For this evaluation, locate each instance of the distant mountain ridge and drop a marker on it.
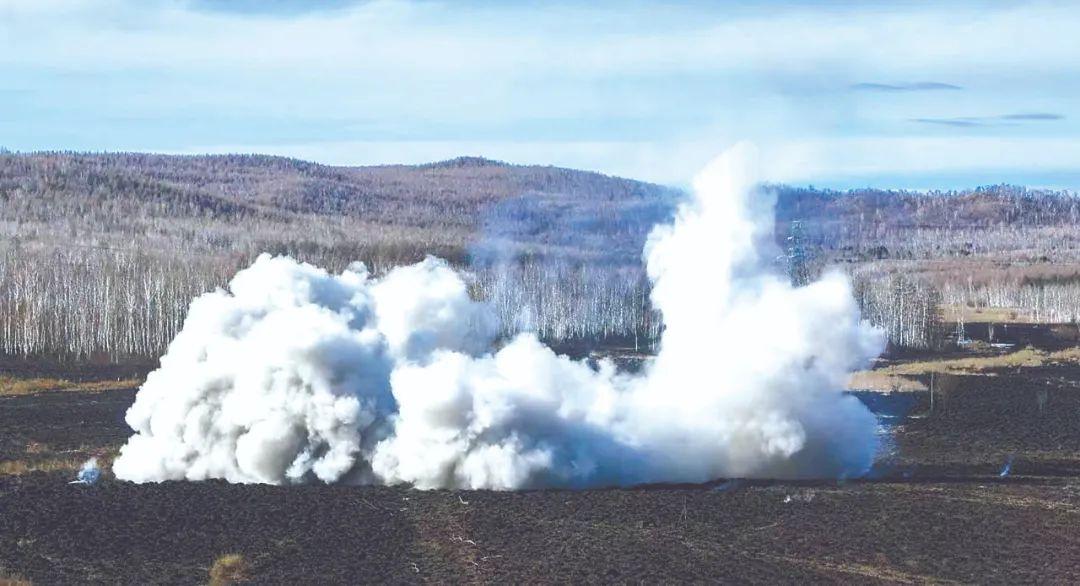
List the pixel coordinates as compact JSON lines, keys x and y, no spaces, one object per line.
{"x":248,"y":203}
{"x":441,"y":204}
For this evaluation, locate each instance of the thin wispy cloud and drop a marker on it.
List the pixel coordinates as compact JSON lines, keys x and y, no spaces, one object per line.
{"x":1033,"y":116}
{"x":280,"y":8}
{"x":635,"y":88}
{"x":1003,"y":119}
{"x":962,"y":122}
{"x":919,"y":86}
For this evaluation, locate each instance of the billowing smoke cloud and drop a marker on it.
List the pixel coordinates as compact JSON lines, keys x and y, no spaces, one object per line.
{"x":295,"y":374}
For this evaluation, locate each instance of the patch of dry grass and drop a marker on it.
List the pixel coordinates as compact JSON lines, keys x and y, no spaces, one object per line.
{"x":900,"y":377}
{"x":880,"y":380}
{"x":31,"y":386}
{"x":21,"y":467}
{"x":231,"y":568}
{"x":7,"y":579}
{"x":952,"y":313}
{"x":41,"y":458}
{"x":1026,"y":357}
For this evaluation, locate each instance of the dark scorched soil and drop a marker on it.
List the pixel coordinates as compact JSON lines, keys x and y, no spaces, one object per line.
{"x":936,"y":511}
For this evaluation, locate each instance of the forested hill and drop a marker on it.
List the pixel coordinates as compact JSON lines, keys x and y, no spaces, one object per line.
{"x":250,"y":203}
{"x":996,"y":219}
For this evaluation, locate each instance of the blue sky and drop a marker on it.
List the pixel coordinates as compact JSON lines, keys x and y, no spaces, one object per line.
{"x":839,"y":94}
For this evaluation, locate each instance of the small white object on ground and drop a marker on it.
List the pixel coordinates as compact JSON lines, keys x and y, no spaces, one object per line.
{"x":89,"y":473}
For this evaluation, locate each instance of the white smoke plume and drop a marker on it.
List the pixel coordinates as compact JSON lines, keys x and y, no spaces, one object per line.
{"x":294,"y":374}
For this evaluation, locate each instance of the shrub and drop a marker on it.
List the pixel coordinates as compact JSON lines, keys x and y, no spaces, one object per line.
{"x":230,"y":568}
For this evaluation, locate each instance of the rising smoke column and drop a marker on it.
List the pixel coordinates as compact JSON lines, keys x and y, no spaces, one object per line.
{"x":295,"y":374}
{"x":748,"y":378}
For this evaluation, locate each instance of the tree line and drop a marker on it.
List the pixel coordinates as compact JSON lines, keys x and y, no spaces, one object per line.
{"x":101,"y":254}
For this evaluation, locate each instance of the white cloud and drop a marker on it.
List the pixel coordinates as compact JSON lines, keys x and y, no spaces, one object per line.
{"x":698,"y":77}
{"x":441,"y":38}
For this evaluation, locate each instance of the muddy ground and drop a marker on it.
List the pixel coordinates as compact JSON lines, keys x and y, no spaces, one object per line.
{"x":936,"y":508}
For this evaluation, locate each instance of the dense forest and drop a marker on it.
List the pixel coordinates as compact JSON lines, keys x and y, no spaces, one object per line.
{"x":101,"y":253}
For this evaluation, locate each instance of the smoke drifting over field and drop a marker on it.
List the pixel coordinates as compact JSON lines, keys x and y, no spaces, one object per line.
{"x":295,"y":374}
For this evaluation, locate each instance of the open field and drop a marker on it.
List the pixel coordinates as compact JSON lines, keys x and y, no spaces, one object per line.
{"x":971,"y":530}
{"x":935,"y":508}
{"x":414,"y":292}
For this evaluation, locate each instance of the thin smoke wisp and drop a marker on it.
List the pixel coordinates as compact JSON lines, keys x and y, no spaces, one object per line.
{"x":294,"y":374}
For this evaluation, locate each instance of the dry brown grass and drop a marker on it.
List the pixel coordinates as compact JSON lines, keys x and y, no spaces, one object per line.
{"x":7,"y":579}
{"x":41,"y":458}
{"x":900,"y":377}
{"x":967,"y":314}
{"x":21,"y":467}
{"x":880,"y":380}
{"x":1024,"y":358}
{"x":230,"y":568}
{"x":31,"y":386}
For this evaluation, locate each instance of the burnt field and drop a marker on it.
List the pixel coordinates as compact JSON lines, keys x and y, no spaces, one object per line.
{"x":936,"y":508}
